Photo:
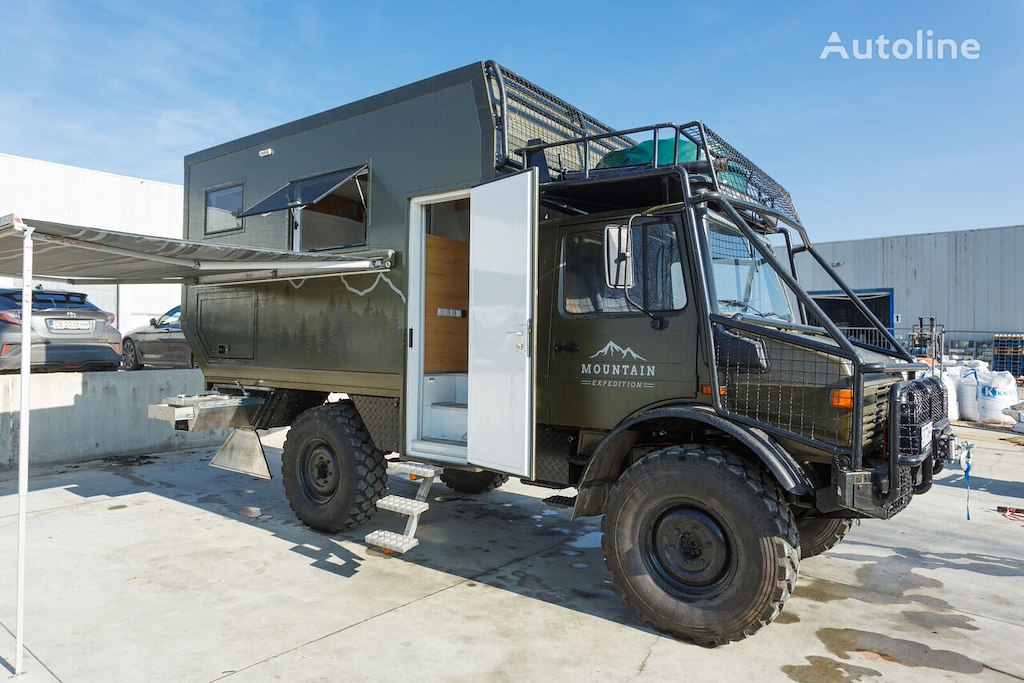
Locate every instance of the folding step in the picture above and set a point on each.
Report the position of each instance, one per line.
(390, 541)
(413, 468)
(403, 506)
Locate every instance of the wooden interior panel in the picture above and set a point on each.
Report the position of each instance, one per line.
(343, 207)
(446, 339)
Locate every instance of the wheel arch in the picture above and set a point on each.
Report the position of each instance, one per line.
(608, 460)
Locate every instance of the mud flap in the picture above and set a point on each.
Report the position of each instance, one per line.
(243, 453)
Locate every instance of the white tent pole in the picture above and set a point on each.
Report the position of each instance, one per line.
(26, 370)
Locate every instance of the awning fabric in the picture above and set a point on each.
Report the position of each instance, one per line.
(299, 193)
(81, 255)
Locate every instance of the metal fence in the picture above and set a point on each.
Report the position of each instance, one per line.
(956, 344)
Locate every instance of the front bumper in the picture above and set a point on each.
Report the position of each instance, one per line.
(919, 442)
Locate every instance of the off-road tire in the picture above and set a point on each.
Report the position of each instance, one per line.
(701, 543)
(333, 475)
(818, 535)
(472, 482)
(130, 355)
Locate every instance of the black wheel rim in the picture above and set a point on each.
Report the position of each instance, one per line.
(687, 549)
(319, 471)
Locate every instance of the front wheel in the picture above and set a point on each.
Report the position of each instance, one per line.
(701, 544)
(333, 475)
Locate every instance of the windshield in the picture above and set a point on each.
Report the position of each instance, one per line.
(744, 282)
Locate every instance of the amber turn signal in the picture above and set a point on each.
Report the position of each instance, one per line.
(706, 390)
(842, 398)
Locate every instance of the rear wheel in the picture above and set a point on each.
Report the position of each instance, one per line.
(333, 475)
(130, 355)
(818, 535)
(472, 482)
(701, 543)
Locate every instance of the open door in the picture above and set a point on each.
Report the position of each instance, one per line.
(502, 301)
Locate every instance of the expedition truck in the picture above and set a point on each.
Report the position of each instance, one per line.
(532, 293)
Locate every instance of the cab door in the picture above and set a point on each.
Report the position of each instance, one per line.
(608, 357)
(502, 310)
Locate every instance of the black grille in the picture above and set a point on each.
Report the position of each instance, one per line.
(938, 398)
(906, 492)
(920, 402)
(876, 416)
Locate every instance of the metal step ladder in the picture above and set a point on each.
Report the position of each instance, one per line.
(389, 541)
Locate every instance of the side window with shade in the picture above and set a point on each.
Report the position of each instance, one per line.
(328, 211)
(657, 272)
(222, 206)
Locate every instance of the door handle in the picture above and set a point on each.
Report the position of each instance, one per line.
(567, 347)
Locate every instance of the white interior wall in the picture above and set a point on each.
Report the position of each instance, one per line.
(79, 196)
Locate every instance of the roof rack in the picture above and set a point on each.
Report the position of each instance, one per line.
(524, 112)
(530, 120)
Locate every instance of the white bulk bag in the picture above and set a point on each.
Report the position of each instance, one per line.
(967, 393)
(996, 391)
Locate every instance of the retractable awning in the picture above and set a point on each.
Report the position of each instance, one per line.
(81, 255)
(300, 193)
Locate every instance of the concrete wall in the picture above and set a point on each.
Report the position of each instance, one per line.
(78, 416)
(78, 196)
(968, 279)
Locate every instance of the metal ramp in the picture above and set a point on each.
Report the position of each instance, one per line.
(390, 541)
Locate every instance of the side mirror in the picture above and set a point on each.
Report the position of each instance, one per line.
(152, 322)
(618, 257)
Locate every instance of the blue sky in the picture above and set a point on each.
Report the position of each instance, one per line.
(867, 148)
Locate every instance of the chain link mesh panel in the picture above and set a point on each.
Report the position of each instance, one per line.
(783, 384)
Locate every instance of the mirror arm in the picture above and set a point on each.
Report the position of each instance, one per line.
(657, 322)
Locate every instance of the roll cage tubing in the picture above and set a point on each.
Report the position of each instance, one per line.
(845, 348)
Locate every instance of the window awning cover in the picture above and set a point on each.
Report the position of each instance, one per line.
(299, 193)
(82, 255)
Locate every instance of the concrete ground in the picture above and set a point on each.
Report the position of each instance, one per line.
(165, 569)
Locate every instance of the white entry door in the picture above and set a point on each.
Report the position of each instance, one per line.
(502, 303)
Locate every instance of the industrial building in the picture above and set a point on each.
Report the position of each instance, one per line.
(47, 191)
(966, 279)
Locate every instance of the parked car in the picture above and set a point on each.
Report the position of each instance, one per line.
(161, 343)
(68, 332)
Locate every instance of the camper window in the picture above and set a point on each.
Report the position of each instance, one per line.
(222, 205)
(336, 220)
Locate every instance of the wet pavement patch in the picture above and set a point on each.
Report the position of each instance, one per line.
(820, 669)
(844, 642)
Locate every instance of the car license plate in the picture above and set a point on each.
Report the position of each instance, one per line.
(926, 436)
(62, 324)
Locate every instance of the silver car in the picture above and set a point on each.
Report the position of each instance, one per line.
(161, 343)
(68, 332)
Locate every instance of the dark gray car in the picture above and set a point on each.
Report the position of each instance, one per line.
(68, 332)
(161, 343)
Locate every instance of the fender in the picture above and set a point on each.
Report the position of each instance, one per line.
(603, 470)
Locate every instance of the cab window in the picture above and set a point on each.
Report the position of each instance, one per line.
(657, 272)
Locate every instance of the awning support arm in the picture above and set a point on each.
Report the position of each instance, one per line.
(23, 433)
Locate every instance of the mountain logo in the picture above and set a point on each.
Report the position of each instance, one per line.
(617, 367)
(613, 349)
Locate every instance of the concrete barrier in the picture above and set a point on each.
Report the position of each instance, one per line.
(79, 416)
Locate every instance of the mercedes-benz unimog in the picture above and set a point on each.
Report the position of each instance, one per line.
(545, 297)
